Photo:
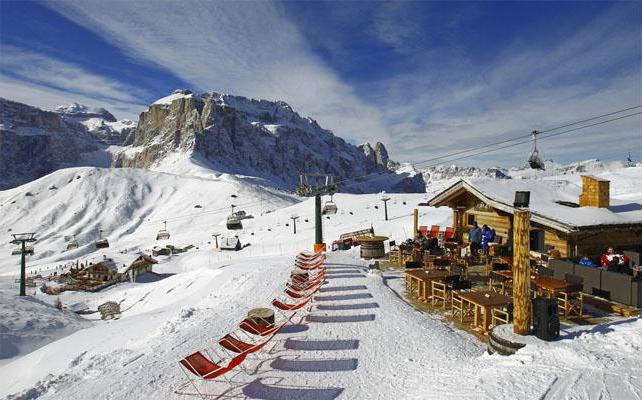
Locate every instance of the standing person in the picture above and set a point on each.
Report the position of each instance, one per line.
(475, 237)
(487, 237)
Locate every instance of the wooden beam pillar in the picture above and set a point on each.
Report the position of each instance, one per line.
(415, 223)
(521, 272)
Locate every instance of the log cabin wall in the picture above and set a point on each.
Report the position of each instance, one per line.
(556, 239)
(595, 244)
(501, 223)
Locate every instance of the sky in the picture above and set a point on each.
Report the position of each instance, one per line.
(425, 78)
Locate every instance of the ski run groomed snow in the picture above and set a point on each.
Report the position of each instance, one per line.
(360, 340)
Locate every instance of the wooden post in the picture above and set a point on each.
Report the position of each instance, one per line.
(521, 272)
(415, 223)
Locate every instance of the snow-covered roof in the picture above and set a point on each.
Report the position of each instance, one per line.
(545, 205)
(229, 242)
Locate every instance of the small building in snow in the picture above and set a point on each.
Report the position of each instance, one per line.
(139, 266)
(575, 220)
(231, 243)
(104, 271)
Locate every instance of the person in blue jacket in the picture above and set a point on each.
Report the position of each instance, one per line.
(475, 237)
(487, 237)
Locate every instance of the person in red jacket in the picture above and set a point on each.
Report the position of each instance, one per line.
(613, 259)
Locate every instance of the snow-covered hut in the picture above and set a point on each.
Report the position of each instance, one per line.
(575, 220)
(231, 243)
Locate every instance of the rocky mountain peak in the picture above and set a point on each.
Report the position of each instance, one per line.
(237, 134)
(76, 110)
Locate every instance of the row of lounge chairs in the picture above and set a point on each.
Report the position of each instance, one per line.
(254, 334)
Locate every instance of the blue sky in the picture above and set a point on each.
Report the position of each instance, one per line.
(425, 78)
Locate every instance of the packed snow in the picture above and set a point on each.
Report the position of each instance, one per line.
(361, 339)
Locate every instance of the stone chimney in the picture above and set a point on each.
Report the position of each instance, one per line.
(595, 192)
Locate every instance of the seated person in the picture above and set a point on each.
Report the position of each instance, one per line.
(554, 254)
(614, 260)
(587, 262)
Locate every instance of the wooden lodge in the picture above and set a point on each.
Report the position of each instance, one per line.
(139, 266)
(104, 271)
(576, 221)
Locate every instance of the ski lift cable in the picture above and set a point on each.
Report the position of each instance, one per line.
(529, 140)
(529, 135)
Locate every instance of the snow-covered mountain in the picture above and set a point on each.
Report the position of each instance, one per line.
(34, 143)
(441, 176)
(99, 122)
(267, 139)
(184, 132)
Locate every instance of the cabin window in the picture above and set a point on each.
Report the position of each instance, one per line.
(471, 219)
(537, 240)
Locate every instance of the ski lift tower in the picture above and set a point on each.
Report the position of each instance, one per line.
(316, 185)
(22, 239)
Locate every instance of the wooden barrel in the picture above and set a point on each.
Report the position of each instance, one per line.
(372, 247)
(262, 316)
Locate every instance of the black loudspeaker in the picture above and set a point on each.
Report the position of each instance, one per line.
(546, 320)
(522, 199)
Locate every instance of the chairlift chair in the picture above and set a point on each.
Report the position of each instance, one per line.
(234, 223)
(329, 208)
(163, 234)
(534, 161)
(101, 243)
(73, 244)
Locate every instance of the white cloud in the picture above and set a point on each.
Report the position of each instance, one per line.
(438, 110)
(49, 98)
(246, 48)
(43, 81)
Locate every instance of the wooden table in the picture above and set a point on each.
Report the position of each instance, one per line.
(484, 299)
(550, 285)
(423, 280)
(545, 283)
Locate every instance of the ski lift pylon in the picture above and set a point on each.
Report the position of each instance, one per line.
(163, 234)
(534, 161)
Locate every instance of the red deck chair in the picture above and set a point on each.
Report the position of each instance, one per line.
(290, 307)
(305, 284)
(423, 231)
(434, 231)
(303, 288)
(248, 325)
(309, 266)
(204, 368)
(236, 345)
(450, 233)
(302, 294)
(314, 278)
(309, 257)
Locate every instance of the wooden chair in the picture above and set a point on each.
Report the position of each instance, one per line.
(501, 315)
(394, 257)
(429, 262)
(440, 294)
(459, 307)
(460, 267)
(571, 300)
(497, 283)
(434, 231)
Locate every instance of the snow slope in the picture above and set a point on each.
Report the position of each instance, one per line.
(361, 340)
